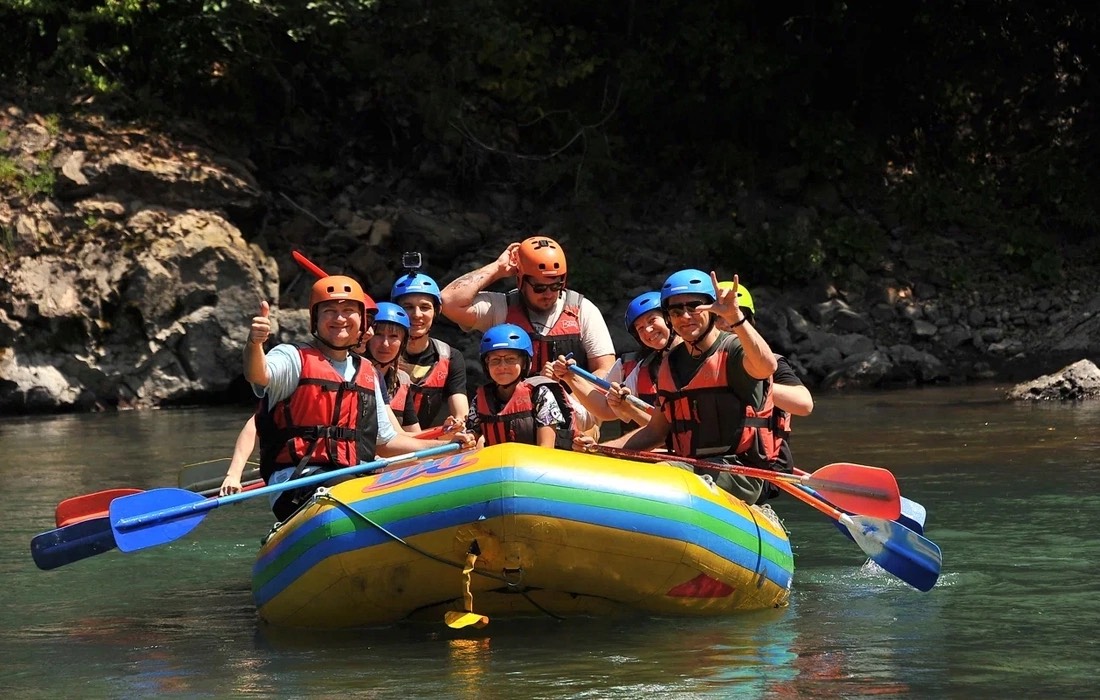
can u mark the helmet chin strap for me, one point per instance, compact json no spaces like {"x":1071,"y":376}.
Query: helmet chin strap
{"x":692,"y":346}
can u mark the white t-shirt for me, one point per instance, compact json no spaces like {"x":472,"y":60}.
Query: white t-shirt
{"x":284,"y":367}
{"x":491,"y":309}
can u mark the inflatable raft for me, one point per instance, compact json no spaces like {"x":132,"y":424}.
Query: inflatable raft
{"x":516,"y":530}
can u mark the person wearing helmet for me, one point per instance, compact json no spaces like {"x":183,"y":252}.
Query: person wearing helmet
{"x":512,"y":407}
{"x":708,"y":380}
{"x":436,"y":368}
{"x":321,"y":407}
{"x":646,"y":323}
{"x":559,"y":320}
{"x":790,"y":396}
{"x":391,"y":332}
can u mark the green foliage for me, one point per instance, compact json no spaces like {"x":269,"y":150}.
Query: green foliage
{"x":39,"y":182}
{"x":9,"y":172}
{"x":980,"y":116}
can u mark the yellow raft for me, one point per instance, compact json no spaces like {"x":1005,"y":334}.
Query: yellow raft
{"x":517,"y":530}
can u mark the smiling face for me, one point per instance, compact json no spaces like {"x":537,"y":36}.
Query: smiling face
{"x":421,"y":311}
{"x":541,"y":292}
{"x":386,"y":344}
{"x":339,"y":322}
{"x":688,"y":323}
{"x":652,"y":330}
{"x":505,"y":366}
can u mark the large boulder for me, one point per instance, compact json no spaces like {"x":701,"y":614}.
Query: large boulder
{"x":163,"y":324}
{"x":1081,"y":380}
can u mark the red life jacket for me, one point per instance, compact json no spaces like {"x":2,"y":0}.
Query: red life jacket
{"x":700,"y":413}
{"x":515,"y":421}
{"x":562,"y":338}
{"x":428,"y":399}
{"x":327,"y":422}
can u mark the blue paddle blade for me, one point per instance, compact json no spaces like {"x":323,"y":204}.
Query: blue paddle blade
{"x":897,"y":549}
{"x":72,"y":543}
{"x":140,"y":520}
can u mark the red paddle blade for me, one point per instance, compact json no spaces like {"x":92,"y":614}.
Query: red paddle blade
{"x":90,"y":505}
{"x":857,"y":488}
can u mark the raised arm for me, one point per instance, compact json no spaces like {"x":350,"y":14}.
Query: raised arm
{"x":760,"y":362}
{"x":255,"y":364}
{"x":458,"y":296}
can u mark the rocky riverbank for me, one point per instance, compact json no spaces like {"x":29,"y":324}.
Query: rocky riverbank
{"x":132,"y":260}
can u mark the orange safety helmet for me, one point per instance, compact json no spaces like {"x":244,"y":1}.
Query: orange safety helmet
{"x":541,"y":256}
{"x":339,"y":288}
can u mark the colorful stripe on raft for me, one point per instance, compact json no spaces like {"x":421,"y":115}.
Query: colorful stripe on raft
{"x":558,"y":532}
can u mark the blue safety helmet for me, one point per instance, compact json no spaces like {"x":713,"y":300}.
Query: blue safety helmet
{"x":416,"y":283}
{"x":506,"y":336}
{"x":650,"y":301}
{"x":388,"y":312}
{"x":688,"y":282}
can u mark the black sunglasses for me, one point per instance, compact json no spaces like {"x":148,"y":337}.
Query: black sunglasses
{"x":543,"y":288}
{"x":683,"y":309}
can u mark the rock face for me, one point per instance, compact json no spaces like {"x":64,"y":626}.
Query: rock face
{"x":129,"y":286}
{"x":1081,"y":380}
{"x":162,"y":325}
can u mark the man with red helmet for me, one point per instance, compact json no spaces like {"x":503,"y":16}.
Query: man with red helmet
{"x":559,"y":320}
{"x":322,"y":407}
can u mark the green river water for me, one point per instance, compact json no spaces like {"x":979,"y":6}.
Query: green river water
{"x":1012,"y":498}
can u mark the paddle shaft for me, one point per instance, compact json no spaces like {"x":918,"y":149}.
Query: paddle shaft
{"x":765,"y":474}
{"x":187,"y":509}
{"x":606,"y":386}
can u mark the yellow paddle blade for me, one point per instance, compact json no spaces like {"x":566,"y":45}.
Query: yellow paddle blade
{"x":458,"y":620}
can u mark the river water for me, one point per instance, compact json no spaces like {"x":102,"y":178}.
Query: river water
{"x":1012,"y":499}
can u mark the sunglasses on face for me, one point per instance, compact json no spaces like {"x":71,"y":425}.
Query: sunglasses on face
{"x":543,"y":288}
{"x":688,"y":307}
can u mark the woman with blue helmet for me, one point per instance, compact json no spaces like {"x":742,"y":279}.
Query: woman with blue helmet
{"x":436,"y":368}
{"x":709,"y":380}
{"x":646,"y":323}
{"x":391,"y":332}
{"x":509,"y":408}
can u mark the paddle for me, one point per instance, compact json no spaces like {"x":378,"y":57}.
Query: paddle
{"x":897,"y":549}
{"x":912,"y":514}
{"x":307,"y":264}
{"x":75,"y":539}
{"x":154,"y":517}
{"x":854,"y":487}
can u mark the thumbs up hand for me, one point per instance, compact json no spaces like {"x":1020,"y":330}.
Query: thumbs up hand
{"x":261,"y":325}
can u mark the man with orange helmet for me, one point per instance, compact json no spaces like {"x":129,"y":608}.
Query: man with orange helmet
{"x":322,"y":407}
{"x":560,"y":321}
